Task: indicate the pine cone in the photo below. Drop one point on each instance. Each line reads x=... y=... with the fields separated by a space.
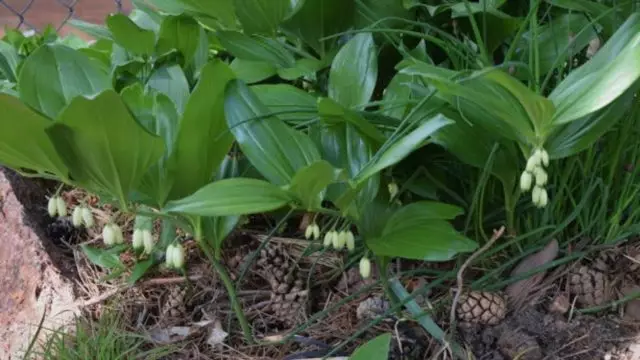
x=174 y=305
x=291 y=307
x=481 y=307
x=591 y=286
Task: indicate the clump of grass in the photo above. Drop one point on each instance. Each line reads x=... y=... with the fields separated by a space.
x=104 y=339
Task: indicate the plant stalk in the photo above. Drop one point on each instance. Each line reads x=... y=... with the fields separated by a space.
x=231 y=292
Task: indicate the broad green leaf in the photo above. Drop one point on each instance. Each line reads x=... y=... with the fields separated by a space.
x=579 y=135
x=310 y=182
x=380 y=12
x=318 y=19
x=275 y=149
x=204 y=138
x=171 y=81
x=218 y=228
x=331 y=111
x=141 y=268
x=256 y=48
x=53 y=75
x=287 y=102
x=237 y=196
x=375 y=349
x=501 y=104
x=130 y=36
x=95 y=30
x=142 y=6
x=107 y=259
x=559 y=39
x=103 y=146
x=397 y=95
x=181 y=33
x=398 y=150
x=145 y=21
x=420 y=231
x=262 y=16
x=210 y=13
x=9 y=60
x=354 y=72
x=606 y=16
x=603 y=78
x=251 y=71
x=23 y=142
x=303 y=68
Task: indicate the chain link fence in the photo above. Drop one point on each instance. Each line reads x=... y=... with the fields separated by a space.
x=37 y=14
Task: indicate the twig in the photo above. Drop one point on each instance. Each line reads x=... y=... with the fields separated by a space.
x=459 y=280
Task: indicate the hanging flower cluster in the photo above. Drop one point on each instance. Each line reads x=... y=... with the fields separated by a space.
x=535 y=176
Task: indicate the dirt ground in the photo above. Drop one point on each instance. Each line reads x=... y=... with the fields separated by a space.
x=29 y=283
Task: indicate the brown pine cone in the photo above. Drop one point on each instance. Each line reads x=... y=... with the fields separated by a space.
x=481 y=307
x=290 y=307
x=590 y=286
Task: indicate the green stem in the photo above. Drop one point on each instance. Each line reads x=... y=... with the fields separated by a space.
x=231 y=291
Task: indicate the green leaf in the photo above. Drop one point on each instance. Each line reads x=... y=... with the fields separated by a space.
x=317 y=19
x=576 y=136
x=203 y=138
x=145 y=21
x=256 y=48
x=331 y=111
x=262 y=16
x=251 y=71
x=610 y=21
x=24 y=144
x=374 y=349
x=53 y=75
x=275 y=149
x=237 y=196
x=398 y=150
x=310 y=182
x=171 y=81
x=384 y=13
x=95 y=30
x=181 y=33
x=9 y=60
x=303 y=68
x=287 y=102
x=130 y=36
x=107 y=259
x=420 y=231
x=103 y=146
x=603 y=78
x=218 y=228
x=354 y=72
x=141 y=268
x=210 y=13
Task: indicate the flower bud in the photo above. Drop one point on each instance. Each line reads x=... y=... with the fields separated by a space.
x=541 y=176
x=342 y=239
x=52 y=206
x=169 y=255
x=62 y=206
x=308 y=232
x=532 y=163
x=76 y=216
x=328 y=239
x=393 y=189
x=351 y=241
x=178 y=256
x=87 y=217
x=544 y=199
x=118 y=234
x=535 y=195
x=316 y=231
x=147 y=241
x=108 y=235
x=544 y=157
x=137 y=239
x=525 y=181
x=365 y=267
x=335 y=240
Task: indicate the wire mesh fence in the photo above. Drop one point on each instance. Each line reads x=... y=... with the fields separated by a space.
x=37 y=14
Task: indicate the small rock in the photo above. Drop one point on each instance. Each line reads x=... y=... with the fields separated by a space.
x=560 y=304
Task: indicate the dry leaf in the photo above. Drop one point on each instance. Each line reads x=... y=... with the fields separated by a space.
x=519 y=290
